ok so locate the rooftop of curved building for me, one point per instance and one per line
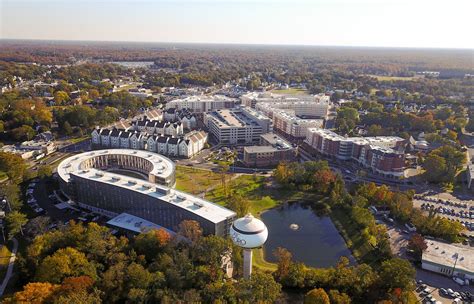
(162, 166)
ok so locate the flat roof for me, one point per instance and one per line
(162, 166)
(444, 254)
(135, 223)
(191, 203)
(256, 149)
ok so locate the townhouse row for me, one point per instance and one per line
(185, 146)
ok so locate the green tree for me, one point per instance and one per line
(239, 204)
(260, 288)
(22, 133)
(67, 129)
(397, 273)
(11, 192)
(15, 222)
(45, 171)
(316, 296)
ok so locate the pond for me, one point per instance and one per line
(312, 239)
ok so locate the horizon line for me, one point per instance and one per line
(237, 44)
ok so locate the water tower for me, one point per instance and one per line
(248, 232)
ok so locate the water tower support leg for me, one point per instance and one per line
(247, 263)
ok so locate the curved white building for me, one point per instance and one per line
(154, 167)
(102, 181)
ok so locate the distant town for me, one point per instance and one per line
(201, 178)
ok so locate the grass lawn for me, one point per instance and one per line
(3, 176)
(260, 263)
(5, 255)
(290, 91)
(261, 196)
(79, 139)
(195, 181)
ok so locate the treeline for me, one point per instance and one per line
(344, 283)
(22, 117)
(401, 208)
(87, 264)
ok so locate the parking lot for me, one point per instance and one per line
(43, 201)
(445, 295)
(455, 210)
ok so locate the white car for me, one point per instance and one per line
(459, 281)
(39, 210)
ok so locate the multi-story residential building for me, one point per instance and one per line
(158, 127)
(240, 125)
(202, 104)
(291, 114)
(285, 121)
(272, 150)
(381, 153)
(89, 181)
(187, 118)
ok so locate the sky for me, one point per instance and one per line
(385, 23)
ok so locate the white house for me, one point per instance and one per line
(96, 136)
(162, 145)
(105, 137)
(115, 138)
(173, 149)
(125, 139)
(134, 141)
(151, 143)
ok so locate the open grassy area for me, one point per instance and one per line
(79, 139)
(290, 91)
(392, 78)
(5, 255)
(260, 193)
(259, 261)
(195, 181)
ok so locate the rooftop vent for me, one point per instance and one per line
(164, 191)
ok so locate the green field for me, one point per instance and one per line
(259, 191)
(290, 91)
(392, 78)
(194, 180)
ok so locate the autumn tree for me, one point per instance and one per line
(337, 297)
(13, 165)
(284, 260)
(190, 230)
(418, 244)
(147, 243)
(316, 296)
(63, 263)
(34, 293)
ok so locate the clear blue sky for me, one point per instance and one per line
(403, 23)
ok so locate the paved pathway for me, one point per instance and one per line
(11, 263)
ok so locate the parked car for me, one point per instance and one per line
(459, 281)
